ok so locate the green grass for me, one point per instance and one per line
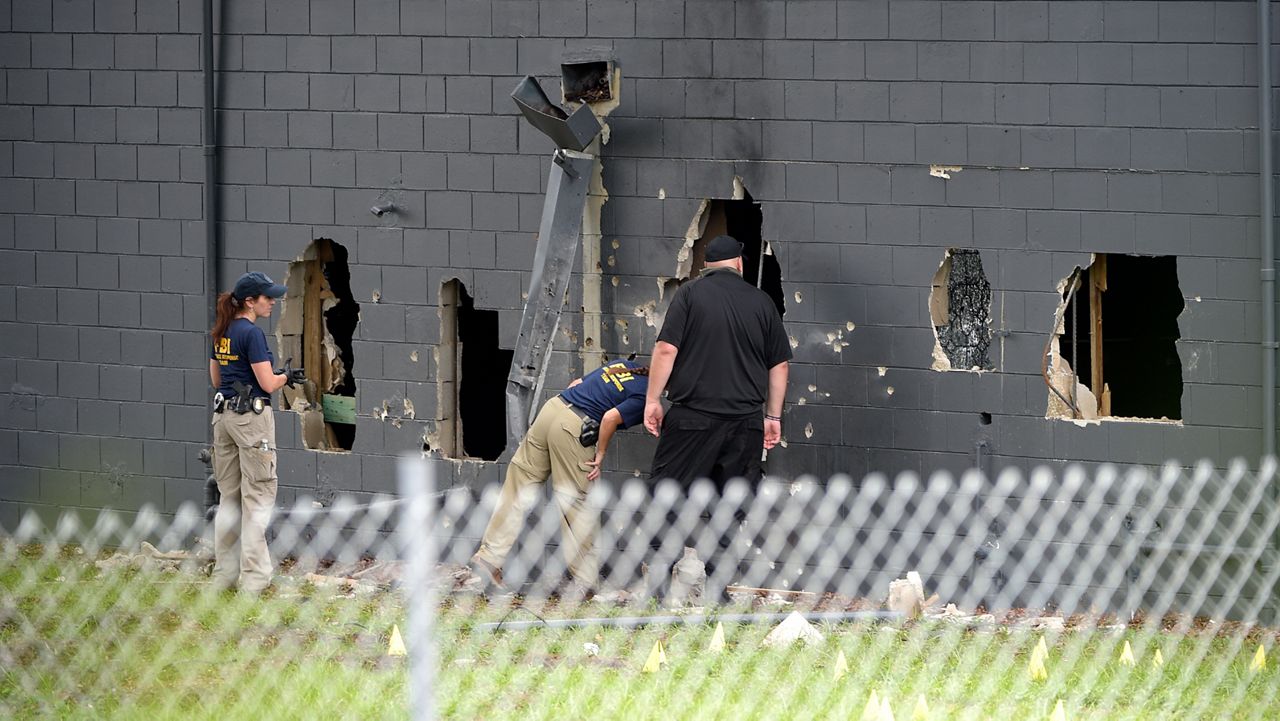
(78, 643)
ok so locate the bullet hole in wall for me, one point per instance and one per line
(317, 322)
(743, 220)
(1116, 335)
(471, 378)
(960, 308)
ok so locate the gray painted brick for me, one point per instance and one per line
(1079, 190)
(140, 273)
(759, 20)
(288, 167)
(46, 51)
(760, 98)
(1216, 65)
(177, 126)
(310, 54)
(839, 223)
(94, 125)
(399, 55)
(884, 143)
(843, 142)
(1158, 149)
(28, 87)
(811, 19)
(1076, 21)
(793, 59)
(968, 103)
(377, 17)
(286, 91)
(265, 204)
(139, 200)
(115, 162)
(32, 160)
(810, 100)
(93, 51)
(355, 131)
(737, 59)
(713, 98)
(55, 342)
(34, 232)
(158, 89)
(704, 19)
(1077, 105)
(78, 234)
(1187, 107)
(134, 52)
(378, 169)
(995, 62)
(54, 197)
(468, 95)
(736, 139)
(1189, 193)
(1022, 104)
(470, 172)
(377, 92)
(122, 310)
(177, 53)
(56, 269)
(400, 132)
(1221, 151)
(686, 58)
(332, 17)
(332, 92)
(1187, 22)
(915, 102)
(943, 61)
(1108, 232)
(611, 19)
(1133, 191)
(1160, 64)
(133, 125)
(891, 61)
(1022, 21)
(812, 181)
(353, 54)
(915, 19)
(942, 144)
(914, 186)
(45, 124)
(1049, 62)
(118, 235)
(839, 60)
(1048, 147)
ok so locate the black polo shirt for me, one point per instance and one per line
(729, 335)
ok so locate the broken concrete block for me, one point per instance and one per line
(906, 598)
(793, 628)
(688, 580)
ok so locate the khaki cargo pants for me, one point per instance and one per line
(550, 448)
(244, 463)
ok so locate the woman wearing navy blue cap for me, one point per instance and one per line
(244, 432)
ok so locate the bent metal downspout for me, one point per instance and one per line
(212, 251)
(1266, 217)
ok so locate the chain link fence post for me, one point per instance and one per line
(416, 479)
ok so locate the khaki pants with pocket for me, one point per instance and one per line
(550, 448)
(244, 463)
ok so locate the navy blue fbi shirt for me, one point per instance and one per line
(245, 343)
(611, 387)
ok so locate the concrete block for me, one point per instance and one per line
(1022, 104)
(994, 146)
(57, 342)
(332, 92)
(1026, 188)
(93, 125)
(1164, 64)
(468, 94)
(790, 221)
(815, 19)
(333, 17)
(1189, 193)
(178, 126)
(1079, 190)
(841, 142)
(1133, 191)
(995, 62)
(760, 98)
(915, 102)
(1074, 22)
(839, 60)
(765, 181)
(839, 223)
(119, 309)
(177, 53)
(377, 93)
(736, 139)
(355, 131)
(914, 186)
(311, 205)
(448, 210)
(666, 98)
(999, 228)
(1158, 149)
(607, 19)
(951, 227)
(1216, 65)
(307, 53)
(885, 143)
(399, 131)
(1048, 147)
(1187, 108)
(1211, 150)
(66, 87)
(888, 224)
(93, 51)
(470, 172)
(1187, 22)
(1049, 62)
(943, 61)
(1023, 21)
(712, 98)
(915, 20)
(968, 103)
(288, 167)
(812, 182)
(353, 54)
(891, 61)
(43, 124)
(265, 53)
(399, 55)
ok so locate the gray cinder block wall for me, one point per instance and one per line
(1081, 127)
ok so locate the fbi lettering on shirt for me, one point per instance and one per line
(222, 352)
(617, 374)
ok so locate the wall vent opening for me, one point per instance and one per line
(743, 220)
(1116, 336)
(960, 308)
(317, 324)
(471, 378)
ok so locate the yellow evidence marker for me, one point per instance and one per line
(1259, 660)
(1035, 667)
(921, 711)
(1059, 712)
(841, 668)
(395, 647)
(1126, 655)
(1157, 659)
(886, 712)
(657, 657)
(717, 639)
(872, 710)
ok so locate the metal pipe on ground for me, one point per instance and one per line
(689, 620)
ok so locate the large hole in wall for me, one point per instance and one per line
(743, 220)
(316, 327)
(960, 306)
(1114, 351)
(471, 378)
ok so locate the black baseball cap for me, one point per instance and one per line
(255, 283)
(723, 247)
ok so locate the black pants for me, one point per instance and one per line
(693, 445)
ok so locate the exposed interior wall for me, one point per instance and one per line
(472, 371)
(960, 310)
(317, 323)
(743, 219)
(1114, 352)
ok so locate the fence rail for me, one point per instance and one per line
(952, 593)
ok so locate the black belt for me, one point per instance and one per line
(581, 413)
